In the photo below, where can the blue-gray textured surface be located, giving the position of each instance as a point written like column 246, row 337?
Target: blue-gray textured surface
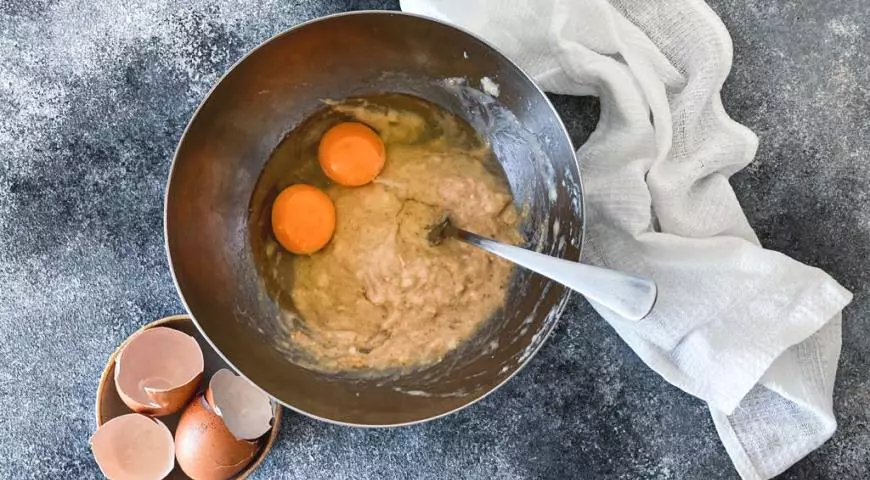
column 94, row 95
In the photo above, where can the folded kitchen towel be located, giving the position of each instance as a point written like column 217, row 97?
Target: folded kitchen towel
column 750, row 331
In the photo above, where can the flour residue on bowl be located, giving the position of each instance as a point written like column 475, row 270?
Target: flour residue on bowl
column 514, row 144
column 489, row 86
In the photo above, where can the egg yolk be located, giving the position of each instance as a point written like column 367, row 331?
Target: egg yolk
column 303, row 219
column 351, row 154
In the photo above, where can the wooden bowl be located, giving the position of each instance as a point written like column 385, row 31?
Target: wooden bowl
column 109, row 404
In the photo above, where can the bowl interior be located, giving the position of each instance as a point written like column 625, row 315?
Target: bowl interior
column 110, row 405
column 275, row 88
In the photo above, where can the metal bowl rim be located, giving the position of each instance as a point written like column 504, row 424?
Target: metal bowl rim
column 559, row 308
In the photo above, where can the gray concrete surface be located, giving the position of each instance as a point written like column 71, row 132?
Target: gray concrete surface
column 94, row 96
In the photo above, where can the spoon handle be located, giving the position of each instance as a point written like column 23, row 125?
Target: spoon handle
column 627, row 295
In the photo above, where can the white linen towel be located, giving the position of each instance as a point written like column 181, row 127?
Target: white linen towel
column 750, row 331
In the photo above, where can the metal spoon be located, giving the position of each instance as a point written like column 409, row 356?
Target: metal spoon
column 630, row 296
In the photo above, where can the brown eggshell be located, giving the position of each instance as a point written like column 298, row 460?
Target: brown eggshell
column 205, row 448
column 245, row 409
column 157, row 372
column 133, row 447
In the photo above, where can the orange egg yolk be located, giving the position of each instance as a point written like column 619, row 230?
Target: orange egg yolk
column 351, row 154
column 303, row 219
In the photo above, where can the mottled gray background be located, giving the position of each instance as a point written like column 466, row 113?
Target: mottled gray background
column 93, row 97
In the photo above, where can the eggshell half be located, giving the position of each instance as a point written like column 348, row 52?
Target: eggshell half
column 205, row 448
column 245, row 409
column 134, row 447
column 158, row 371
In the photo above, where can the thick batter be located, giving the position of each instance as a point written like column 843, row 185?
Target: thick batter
column 378, row 296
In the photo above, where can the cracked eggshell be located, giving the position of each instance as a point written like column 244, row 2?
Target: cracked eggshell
column 133, row 447
column 245, row 409
column 205, row 448
column 157, row 372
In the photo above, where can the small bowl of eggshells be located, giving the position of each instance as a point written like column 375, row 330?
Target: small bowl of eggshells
column 168, row 406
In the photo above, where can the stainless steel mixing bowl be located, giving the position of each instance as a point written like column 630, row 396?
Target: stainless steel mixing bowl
column 275, row 87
